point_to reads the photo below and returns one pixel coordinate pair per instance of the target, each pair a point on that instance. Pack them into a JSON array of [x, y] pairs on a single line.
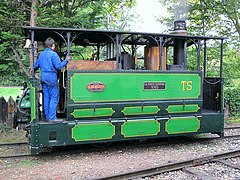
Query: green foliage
[[84, 53], [213, 59], [12, 73], [232, 97], [6, 92], [14, 60], [192, 58], [231, 63], [235, 119], [207, 17], [84, 13], [101, 14], [13, 15], [213, 18]]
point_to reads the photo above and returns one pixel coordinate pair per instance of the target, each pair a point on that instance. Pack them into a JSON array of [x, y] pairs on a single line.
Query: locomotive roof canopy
[[84, 36]]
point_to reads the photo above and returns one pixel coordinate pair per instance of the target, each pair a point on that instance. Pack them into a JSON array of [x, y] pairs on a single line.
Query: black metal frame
[[117, 37]]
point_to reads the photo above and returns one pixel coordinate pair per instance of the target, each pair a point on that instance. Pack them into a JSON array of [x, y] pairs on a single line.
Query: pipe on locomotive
[[180, 44]]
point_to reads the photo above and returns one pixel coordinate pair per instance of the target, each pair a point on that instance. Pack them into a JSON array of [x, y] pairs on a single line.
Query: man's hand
[[68, 57]]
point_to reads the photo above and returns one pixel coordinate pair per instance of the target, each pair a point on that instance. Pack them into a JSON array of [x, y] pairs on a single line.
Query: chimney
[[180, 44]]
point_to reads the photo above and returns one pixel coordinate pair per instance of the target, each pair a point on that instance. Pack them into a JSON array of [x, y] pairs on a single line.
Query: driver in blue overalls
[[49, 62]]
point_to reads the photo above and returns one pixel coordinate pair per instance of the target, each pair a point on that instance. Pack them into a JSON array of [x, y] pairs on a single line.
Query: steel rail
[[224, 137], [173, 166], [13, 143], [232, 127], [63, 152], [25, 143], [10, 145], [16, 156]]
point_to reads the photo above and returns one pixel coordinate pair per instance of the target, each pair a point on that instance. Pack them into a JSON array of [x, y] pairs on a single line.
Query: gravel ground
[[222, 172], [94, 165], [176, 175], [235, 161]]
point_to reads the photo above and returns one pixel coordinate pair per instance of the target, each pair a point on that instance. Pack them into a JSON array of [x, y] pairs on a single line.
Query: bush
[[232, 98]]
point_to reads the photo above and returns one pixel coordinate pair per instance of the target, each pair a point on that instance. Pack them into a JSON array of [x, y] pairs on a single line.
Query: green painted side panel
[[33, 102], [183, 108], [140, 128], [98, 112], [130, 86], [93, 132], [182, 125], [140, 110]]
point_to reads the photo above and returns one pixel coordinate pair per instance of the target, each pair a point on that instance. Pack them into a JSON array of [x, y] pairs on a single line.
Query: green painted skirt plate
[[93, 132], [182, 125], [140, 128]]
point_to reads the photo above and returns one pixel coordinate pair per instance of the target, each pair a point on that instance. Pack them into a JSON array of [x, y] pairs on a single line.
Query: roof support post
[[117, 52], [205, 59], [160, 52], [132, 46], [221, 58], [68, 43], [199, 54], [98, 51], [221, 79], [32, 54]]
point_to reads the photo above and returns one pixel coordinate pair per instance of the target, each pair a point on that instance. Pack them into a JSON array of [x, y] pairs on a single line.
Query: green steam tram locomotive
[[135, 86]]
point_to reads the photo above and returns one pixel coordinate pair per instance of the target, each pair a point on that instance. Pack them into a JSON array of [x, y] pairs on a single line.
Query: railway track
[[231, 127], [13, 144], [14, 149], [187, 166]]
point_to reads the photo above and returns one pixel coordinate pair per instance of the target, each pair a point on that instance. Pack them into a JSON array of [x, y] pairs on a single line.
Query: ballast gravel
[[222, 172], [235, 161], [176, 175], [101, 163]]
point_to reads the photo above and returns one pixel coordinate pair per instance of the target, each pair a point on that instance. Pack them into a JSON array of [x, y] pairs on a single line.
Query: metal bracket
[[184, 103], [94, 108]]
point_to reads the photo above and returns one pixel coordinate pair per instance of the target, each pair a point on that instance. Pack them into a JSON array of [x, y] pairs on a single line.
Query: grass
[[235, 119], [6, 92], [23, 163], [7, 134]]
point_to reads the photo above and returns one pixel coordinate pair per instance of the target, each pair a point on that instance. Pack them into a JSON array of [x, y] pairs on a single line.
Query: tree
[[210, 16], [230, 10], [82, 13], [14, 14], [216, 18], [13, 65]]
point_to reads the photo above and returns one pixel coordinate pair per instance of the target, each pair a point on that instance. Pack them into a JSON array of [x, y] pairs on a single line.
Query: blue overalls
[[49, 62]]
